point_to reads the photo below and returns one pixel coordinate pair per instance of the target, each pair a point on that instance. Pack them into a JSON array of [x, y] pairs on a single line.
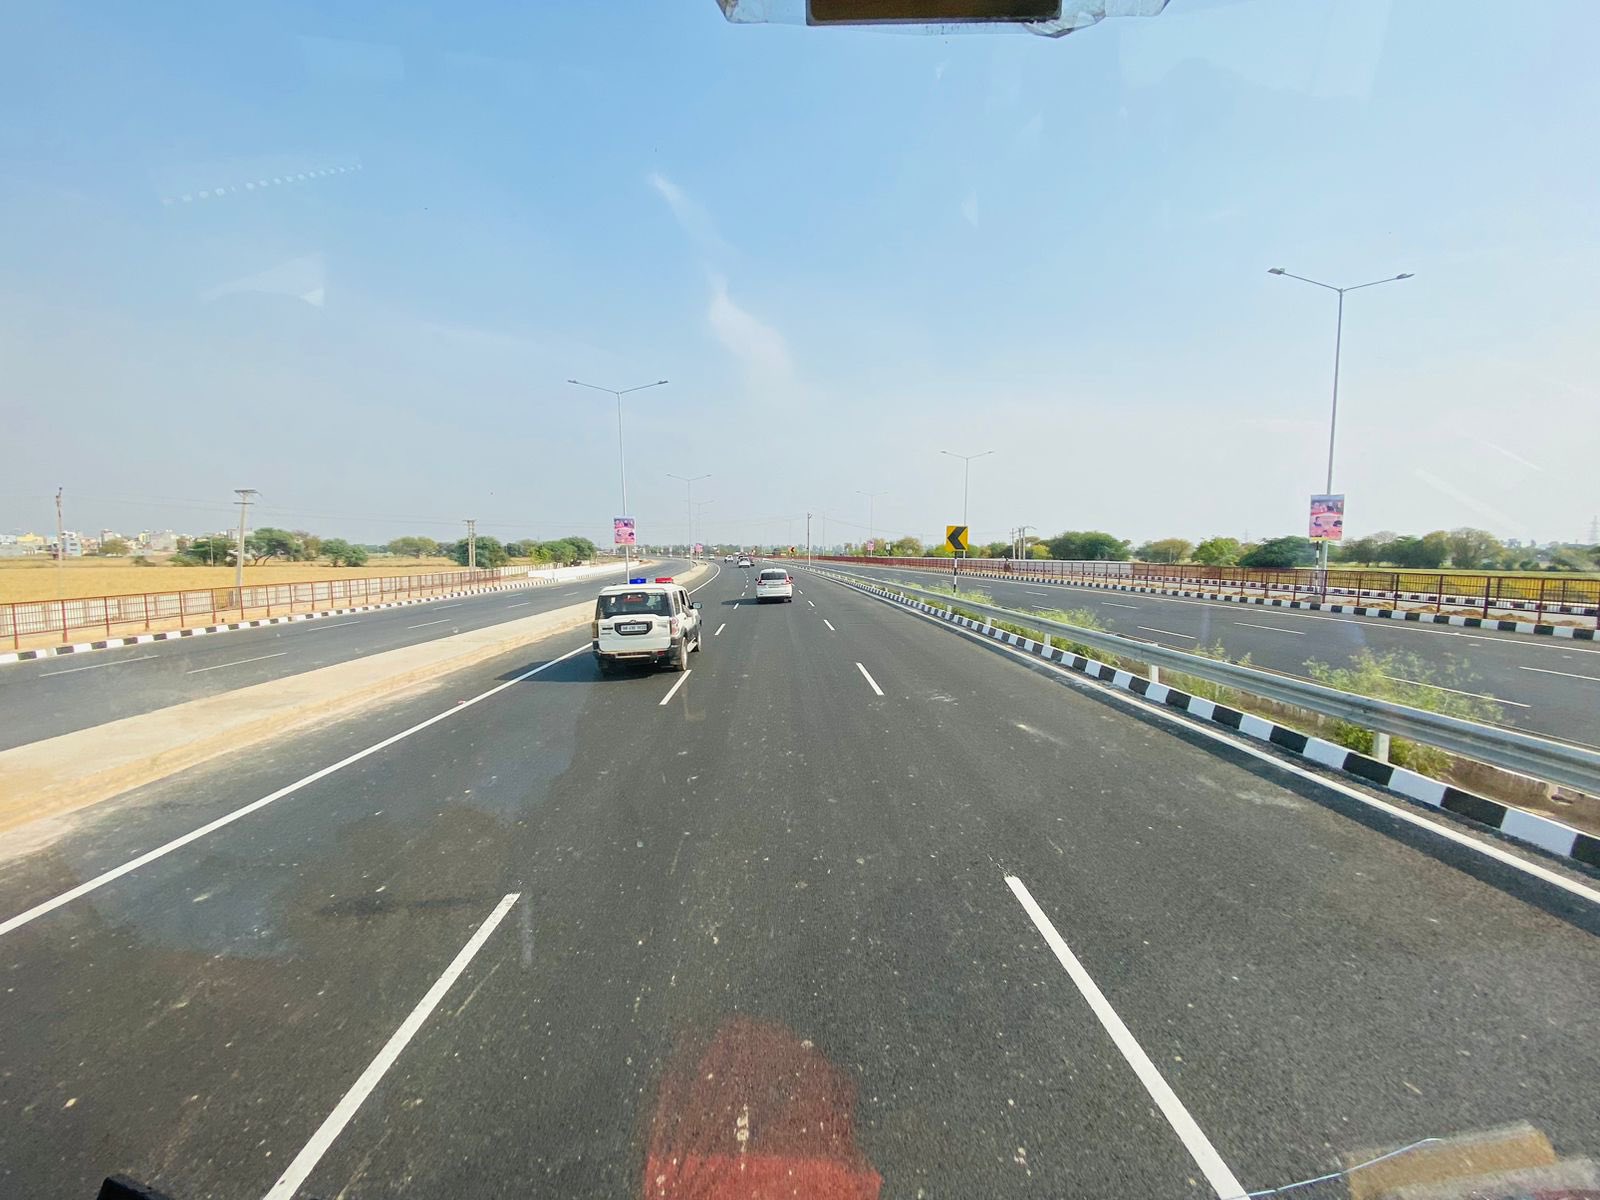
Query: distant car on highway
[[645, 622], [744, 561], [727, 558], [774, 583]]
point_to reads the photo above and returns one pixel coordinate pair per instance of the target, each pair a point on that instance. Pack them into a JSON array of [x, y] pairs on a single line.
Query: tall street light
[[1338, 340], [699, 517], [966, 477], [622, 466], [689, 481], [871, 496]]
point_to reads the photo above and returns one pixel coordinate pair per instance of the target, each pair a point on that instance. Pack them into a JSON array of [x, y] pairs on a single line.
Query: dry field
[[41, 578]]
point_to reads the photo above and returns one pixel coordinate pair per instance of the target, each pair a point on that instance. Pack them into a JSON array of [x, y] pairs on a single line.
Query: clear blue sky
[[846, 249]]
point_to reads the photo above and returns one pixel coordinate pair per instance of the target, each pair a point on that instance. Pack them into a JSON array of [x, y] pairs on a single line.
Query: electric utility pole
[[245, 496]]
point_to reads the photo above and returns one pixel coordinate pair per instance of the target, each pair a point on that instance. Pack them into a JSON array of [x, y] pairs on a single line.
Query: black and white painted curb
[[172, 635], [1531, 828], [1360, 610]]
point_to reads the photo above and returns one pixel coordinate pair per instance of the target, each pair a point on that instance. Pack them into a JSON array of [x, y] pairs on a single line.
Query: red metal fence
[[1542, 595], [138, 611]]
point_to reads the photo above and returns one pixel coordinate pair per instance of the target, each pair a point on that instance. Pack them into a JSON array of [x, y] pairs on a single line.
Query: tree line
[[267, 545], [1463, 549]]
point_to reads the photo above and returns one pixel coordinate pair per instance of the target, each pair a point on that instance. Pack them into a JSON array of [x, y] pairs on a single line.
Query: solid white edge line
[[868, 675], [673, 690], [194, 835], [1272, 628], [311, 1154], [1208, 730], [237, 663], [1194, 1140]]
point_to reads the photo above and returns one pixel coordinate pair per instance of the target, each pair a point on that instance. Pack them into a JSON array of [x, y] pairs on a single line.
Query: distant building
[[160, 542], [32, 542], [71, 545]]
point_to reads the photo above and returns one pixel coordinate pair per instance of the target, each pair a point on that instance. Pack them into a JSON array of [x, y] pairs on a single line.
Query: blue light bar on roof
[[641, 579]]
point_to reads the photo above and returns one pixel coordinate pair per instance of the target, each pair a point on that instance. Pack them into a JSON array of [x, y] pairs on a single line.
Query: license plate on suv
[[633, 627]]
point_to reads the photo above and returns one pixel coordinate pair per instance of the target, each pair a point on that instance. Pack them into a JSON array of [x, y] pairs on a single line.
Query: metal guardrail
[[1542, 595], [1509, 749]]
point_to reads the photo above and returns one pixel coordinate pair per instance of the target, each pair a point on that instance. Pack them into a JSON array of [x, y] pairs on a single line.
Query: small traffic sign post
[[955, 536]]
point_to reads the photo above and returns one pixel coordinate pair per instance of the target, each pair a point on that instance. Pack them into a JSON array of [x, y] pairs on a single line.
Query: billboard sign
[[1327, 518], [622, 532]]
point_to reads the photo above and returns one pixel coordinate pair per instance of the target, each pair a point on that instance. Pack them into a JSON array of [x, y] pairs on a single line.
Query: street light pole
[[1338, 344], [622, 465], [699, 516], [871, 496], [689, 482], [966, 481]]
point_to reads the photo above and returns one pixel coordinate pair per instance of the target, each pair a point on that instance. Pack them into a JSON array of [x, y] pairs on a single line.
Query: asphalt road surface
[[42, 698], [798, 917], [1544, 685]]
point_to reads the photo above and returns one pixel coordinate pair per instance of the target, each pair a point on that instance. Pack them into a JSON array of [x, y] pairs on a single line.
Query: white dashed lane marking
[[1567, 674], [673, 691], [96, 666], [241, 662], [1457, 691], [867, 675], [1194, 1140]]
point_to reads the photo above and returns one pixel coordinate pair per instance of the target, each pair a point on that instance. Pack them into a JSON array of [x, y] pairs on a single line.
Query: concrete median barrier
[[63, 774]]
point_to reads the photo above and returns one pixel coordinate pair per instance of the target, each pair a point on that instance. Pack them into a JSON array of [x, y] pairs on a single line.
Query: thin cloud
[[691, 216], [969, 208], [1499, 449], [1497, 518], [760, 347]]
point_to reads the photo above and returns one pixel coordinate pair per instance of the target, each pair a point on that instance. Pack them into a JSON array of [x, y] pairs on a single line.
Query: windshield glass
[[1166, 765], [626, 603]]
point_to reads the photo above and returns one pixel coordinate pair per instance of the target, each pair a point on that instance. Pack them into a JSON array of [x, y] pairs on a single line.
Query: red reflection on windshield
[[755, 1114]]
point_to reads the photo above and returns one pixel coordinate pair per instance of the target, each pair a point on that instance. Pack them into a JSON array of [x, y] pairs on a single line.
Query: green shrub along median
[[1405, 679]]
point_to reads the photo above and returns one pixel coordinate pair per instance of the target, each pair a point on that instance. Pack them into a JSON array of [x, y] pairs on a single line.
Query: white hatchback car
[[774, 583]]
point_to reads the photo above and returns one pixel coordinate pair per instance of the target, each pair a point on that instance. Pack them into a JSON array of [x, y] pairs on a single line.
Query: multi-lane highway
[[1544, 685], [45, 697], [860, 905]]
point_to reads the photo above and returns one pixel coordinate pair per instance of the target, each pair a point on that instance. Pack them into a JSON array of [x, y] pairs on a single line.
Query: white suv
[[774, 583], [640, 622]]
